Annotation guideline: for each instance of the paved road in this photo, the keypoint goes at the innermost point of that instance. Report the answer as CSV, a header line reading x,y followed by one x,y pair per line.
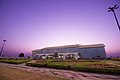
x,y
72,75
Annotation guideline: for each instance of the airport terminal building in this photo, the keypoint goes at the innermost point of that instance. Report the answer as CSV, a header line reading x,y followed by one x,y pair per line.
x,y
71,51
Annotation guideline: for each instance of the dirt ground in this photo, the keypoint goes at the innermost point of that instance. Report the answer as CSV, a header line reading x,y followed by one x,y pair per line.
x,y
8,72
66,74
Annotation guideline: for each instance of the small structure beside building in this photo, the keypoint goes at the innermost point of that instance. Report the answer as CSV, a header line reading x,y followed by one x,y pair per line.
x,y
71,52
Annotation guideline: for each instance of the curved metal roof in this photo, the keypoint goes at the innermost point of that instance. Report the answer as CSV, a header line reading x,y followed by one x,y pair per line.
x,y
73,46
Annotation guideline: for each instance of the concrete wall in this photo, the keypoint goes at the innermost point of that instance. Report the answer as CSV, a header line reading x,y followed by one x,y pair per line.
x,y
64,55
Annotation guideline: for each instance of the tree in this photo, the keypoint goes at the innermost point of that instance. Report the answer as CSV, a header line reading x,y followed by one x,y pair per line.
x,y
79,55
21,55
56,54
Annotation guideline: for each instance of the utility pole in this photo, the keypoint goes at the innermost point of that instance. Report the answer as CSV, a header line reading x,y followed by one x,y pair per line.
x,y
112,9
2,47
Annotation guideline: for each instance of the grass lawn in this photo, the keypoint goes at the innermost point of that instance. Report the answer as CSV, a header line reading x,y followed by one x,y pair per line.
x,y
7,73
95,66
14,61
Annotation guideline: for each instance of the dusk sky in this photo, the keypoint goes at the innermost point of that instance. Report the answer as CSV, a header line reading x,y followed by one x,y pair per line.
x,y
35,24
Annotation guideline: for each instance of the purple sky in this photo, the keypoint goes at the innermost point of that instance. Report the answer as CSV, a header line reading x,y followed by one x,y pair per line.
x,y
35,24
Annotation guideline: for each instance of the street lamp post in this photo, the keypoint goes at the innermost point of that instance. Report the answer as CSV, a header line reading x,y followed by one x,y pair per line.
x,y
2,47
112,9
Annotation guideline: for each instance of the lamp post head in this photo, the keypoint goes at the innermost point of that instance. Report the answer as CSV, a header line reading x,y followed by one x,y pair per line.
x,y
113,8
4,40
110,9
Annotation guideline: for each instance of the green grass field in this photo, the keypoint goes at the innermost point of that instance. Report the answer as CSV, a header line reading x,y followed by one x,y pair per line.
x,y
95,66
14,61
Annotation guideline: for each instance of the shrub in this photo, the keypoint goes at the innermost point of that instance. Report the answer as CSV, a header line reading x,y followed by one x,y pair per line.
x,y
13,61
76,67
116,59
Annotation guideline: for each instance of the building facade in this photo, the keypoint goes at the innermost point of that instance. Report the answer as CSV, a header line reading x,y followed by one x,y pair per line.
x,y
71,51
